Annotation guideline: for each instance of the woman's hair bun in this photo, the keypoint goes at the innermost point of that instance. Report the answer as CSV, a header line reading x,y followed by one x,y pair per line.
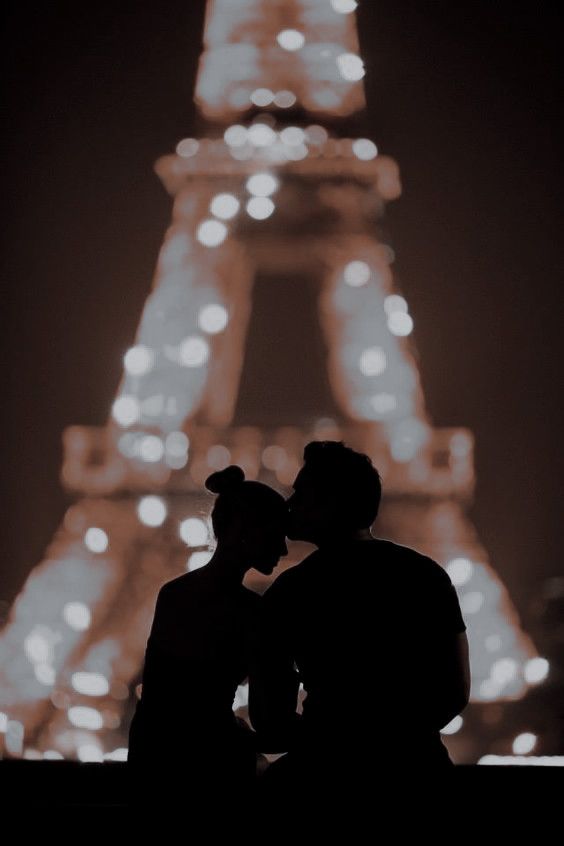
x,y
225,481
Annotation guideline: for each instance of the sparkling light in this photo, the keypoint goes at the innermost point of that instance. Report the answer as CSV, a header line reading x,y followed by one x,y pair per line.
x,y
344,6
139,360
292,135
218,457
235,136
504,671
460,444
395,303
119,754
152,511
261,135
536,670
177,443
151,448
262,184
224,206
96,540
260,207
52,755
274,457
460,571
284,99
316,134
194,351
524,743
211,233
383,403
454,725
37,646
194,532
77,615
91,684
296,152
262,97
365,149
177,462
351,66
126,410
14,737
45,674
213,318
241,697
373,361
90,753
199,559
400,323
291,39
85,717
187,147
356,273
489,689
522,760
471,602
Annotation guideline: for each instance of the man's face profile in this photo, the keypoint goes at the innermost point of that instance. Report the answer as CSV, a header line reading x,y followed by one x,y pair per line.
x,y
307,519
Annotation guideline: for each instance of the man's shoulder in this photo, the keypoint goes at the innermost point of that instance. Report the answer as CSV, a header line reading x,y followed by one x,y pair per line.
x,y
398,550
422,578
406,556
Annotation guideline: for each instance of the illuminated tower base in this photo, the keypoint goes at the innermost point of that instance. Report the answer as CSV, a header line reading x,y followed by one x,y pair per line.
x,y
274,200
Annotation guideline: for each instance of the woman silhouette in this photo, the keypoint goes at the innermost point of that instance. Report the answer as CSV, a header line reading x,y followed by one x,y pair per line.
x,y
184,735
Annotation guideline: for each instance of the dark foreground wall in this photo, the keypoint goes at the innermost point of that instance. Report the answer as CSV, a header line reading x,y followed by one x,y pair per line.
x,y
511,792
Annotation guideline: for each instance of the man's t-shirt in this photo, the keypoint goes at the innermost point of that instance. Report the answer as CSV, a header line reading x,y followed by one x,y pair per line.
x,y
366,628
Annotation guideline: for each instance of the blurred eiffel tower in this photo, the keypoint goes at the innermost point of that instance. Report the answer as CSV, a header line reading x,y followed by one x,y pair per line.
x,y
273,320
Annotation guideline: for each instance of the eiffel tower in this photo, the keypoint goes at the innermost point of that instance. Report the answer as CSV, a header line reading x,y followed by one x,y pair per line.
x,y
273,319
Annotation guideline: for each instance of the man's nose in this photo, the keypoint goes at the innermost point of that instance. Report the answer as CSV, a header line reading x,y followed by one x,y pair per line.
x,y
284,549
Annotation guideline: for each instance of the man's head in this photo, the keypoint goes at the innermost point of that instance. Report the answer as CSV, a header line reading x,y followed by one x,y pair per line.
x,y
336,493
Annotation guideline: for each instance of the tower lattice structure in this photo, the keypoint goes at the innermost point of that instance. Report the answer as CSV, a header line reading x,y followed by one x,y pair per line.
x,y
273,319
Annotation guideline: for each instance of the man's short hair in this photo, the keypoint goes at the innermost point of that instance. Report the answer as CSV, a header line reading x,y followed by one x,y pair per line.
x,y
348,477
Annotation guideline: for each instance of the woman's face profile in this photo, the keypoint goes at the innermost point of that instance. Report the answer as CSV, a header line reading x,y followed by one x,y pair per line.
x,y
265,544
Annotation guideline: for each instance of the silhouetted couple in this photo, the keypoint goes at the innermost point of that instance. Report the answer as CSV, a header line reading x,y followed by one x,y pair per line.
x,y
371,630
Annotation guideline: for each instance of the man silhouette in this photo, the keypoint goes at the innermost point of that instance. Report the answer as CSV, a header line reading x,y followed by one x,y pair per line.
x,y
371,629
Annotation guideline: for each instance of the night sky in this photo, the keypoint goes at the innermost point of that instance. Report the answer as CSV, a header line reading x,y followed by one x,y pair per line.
x,y
465,96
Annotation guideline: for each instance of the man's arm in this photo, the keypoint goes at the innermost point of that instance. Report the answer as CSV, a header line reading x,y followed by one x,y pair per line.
x,y
445,675
450,691
273,680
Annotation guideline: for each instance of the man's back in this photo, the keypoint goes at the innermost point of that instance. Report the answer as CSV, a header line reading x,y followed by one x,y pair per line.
x,y
369,625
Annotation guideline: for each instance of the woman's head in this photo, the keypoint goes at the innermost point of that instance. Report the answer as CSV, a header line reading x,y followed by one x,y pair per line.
x,y
250,517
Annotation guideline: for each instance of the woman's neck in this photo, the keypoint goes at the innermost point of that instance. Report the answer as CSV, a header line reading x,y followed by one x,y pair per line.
x,y
227,566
